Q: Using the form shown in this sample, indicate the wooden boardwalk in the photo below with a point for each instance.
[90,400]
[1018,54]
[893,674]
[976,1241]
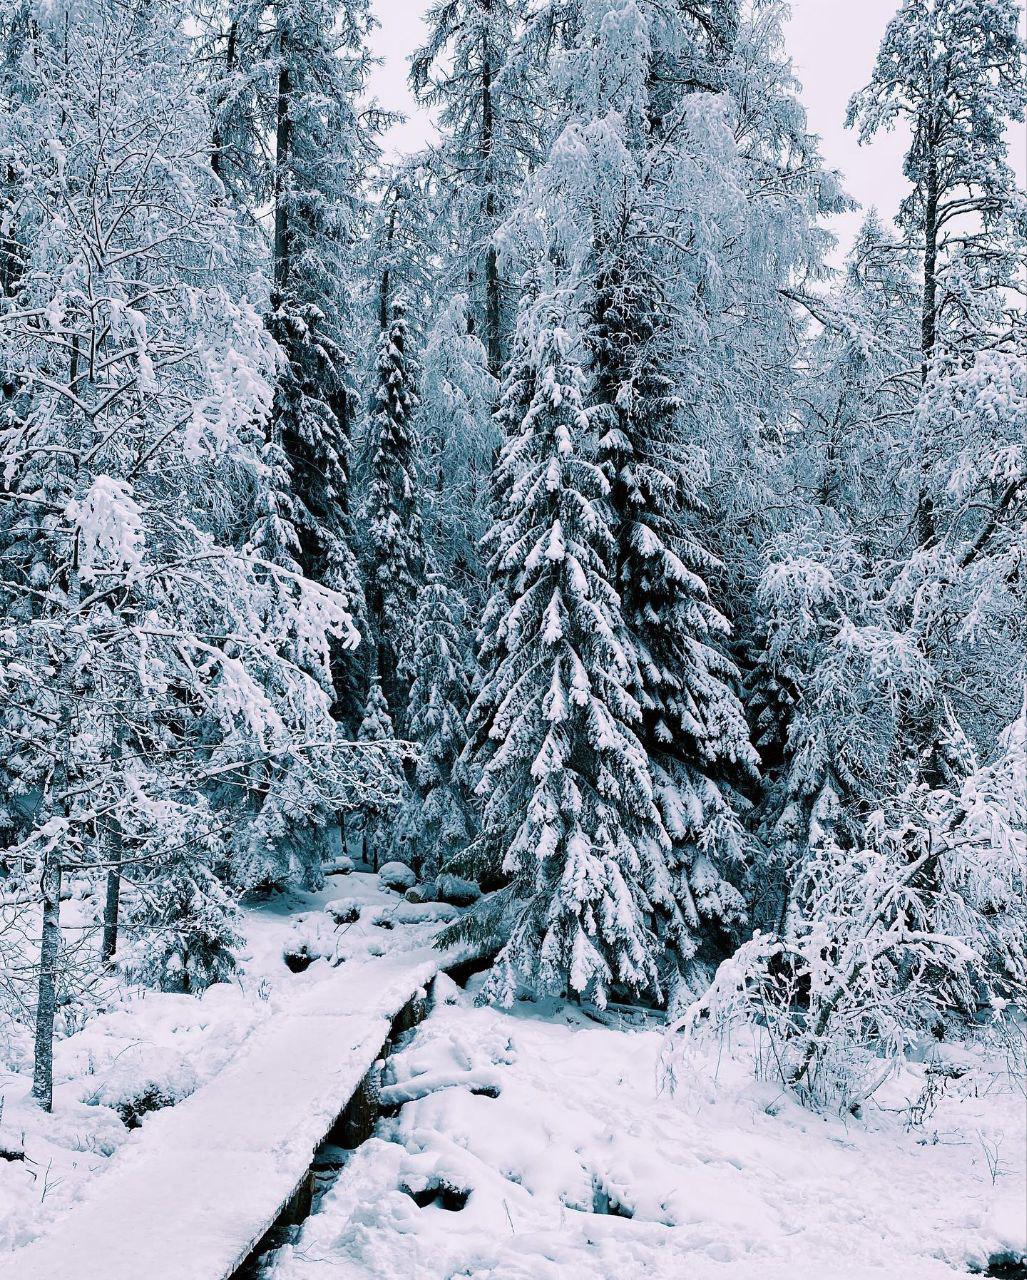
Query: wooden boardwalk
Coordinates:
[205,1181]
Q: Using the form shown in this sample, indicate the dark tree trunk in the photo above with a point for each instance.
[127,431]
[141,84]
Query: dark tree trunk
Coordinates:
[385,290]
[218,143]
[929,320]
[110,915]
[493,343]
[283,156]
[926,523]
[115,848]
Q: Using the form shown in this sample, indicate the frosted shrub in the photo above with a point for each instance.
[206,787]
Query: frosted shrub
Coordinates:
[926,918]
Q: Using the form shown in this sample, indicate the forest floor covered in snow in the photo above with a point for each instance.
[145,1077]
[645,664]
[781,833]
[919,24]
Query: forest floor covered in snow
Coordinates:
[538,1142]
[541,1144]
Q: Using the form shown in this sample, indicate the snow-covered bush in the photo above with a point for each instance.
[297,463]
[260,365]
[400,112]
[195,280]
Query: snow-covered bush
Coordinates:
[926,918]
[344,910]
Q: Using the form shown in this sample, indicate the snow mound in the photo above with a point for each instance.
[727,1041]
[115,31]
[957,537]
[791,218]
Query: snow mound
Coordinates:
[141,1082]
[397,875]
[425,913]
[455,889]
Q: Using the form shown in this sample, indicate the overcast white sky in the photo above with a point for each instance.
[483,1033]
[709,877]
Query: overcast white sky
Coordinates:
[833,44]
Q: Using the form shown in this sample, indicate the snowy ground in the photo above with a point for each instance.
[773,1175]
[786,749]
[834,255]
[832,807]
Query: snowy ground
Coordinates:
[533,1143]
[537,1144]
[148,1049]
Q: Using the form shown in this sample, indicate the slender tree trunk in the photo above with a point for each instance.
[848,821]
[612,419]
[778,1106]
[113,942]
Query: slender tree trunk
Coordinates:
[283,156]
[231,54]
[929,318]
[110,915]
[493,343]
[385,290]
[115,847]
[926,523]
[111,907]
[50,889]
[9,249]
[49,960]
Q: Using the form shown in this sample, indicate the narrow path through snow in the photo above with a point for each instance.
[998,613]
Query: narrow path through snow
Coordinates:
[210,1176]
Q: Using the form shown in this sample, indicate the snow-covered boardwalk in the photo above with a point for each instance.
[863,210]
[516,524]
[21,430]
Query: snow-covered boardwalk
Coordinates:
[208,1178]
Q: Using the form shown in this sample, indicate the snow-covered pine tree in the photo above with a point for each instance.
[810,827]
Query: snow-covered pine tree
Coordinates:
[407,244]
[435,821]
[379,830]
[184,926]
[615,197]
[393,559]
[956,75]
[565,784]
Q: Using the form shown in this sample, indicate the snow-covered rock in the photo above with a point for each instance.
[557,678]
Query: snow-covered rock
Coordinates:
[340,866]
[454,889]
[420,893]
[397,875]
[425,912]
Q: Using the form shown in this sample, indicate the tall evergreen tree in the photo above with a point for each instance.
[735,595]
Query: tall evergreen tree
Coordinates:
[380,831]
[568,800]
[485,104]
[436,820]
[294,71]
[615,188]
[956,75]
[394,553]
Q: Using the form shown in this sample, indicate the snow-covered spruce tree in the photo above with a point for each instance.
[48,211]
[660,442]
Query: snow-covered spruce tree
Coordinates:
[485,99]
[393,555]
[151,696]
[567,796]
[378,814]
[616,197]
[184,930]
[435,822]
[294,71]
